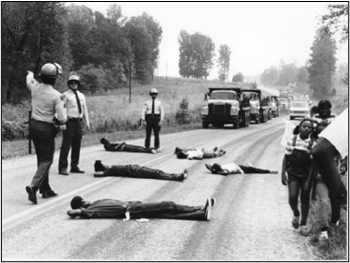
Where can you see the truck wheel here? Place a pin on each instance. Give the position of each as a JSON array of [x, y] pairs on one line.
[[205, 124]]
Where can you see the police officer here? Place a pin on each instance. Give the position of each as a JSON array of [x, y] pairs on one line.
[[46, 103], [75, 104], [153, 115]]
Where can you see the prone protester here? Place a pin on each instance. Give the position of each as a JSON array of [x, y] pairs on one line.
[[122, 146], [198, 153], [126, 210], [136, 171], [233, 168]]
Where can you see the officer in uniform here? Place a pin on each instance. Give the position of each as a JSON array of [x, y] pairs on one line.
[[75, 104], [46, 104], [153, 115]]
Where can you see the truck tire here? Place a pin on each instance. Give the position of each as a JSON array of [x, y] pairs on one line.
[[205, 124]]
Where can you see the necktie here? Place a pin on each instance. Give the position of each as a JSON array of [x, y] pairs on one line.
[[153, 107], [78, 101]]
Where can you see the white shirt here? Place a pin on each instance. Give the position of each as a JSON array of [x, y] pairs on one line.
[[232, 168], [337, 133], [158, 108], [195, 154], [46, 101], [72, 108]]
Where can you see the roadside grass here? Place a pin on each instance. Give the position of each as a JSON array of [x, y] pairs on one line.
[[336, 248]]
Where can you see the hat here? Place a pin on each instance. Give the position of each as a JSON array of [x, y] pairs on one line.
[[153, 91], [74, 77]]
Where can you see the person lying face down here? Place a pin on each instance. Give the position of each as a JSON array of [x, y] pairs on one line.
[[136, 171], [233, 168], [198, 153], [124, 147], [117, 209]]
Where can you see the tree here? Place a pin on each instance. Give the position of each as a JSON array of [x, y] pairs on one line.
[[322, 63], [287, 74], [238, 77], [269, 76], [337, 20], [224, 61], [196, 55]]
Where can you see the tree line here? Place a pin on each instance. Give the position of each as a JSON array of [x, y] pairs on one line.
[[105, 50]]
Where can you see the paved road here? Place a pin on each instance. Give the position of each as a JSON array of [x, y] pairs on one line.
[[251, 220]]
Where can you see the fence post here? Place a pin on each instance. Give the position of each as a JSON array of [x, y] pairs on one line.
[[29, 138]]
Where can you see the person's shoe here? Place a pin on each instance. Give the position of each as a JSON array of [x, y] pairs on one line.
[[154, 151], [49, 194], [99, 167], [222, 152], [215, 148], [104, 141], [295, 222], [207, 208], [212, 201], [76, 170], [304, 230], [63, 172], [208, 166], [336, 223], [31, 194], [185, 174], [323, 236]]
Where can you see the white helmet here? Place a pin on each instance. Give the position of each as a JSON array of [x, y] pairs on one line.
[[51, 70], [153, 91], [74, 77]]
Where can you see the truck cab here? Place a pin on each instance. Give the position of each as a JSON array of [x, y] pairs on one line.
[[225, 105], [259, 109]]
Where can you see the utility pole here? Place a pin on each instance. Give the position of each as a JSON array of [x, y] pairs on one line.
[[129, 80]]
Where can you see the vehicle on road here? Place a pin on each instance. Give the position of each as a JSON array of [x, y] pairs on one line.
[[274, 104], [284, 105], [299, 109], [259, 110], [225, 105]]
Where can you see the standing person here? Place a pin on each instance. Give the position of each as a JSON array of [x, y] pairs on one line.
[[116, 209], [333, 141], [136, 171], [296, 172], [75, 104], [46, 103], [153, 115]]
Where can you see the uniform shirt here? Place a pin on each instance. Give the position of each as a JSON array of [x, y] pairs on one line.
[[158, 108], [46, 101], [71, 105], [337, 133], [105, 208], [300, 144], [232, 168]]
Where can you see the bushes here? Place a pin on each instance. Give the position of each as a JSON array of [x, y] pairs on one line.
[[11, 130]]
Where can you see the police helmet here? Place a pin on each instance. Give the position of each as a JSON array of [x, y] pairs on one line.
[[153, 91], [73, 77], [51, 70]]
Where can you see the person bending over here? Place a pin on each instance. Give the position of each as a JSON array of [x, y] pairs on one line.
[[198, 153], [233, 168], [122, 146]]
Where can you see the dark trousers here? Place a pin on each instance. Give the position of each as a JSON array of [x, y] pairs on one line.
[[136, 171], [71, 138], [127, 148], [254, 170], [295, 186], [166, 209], [324, 154], [43, 136], [152, 123]]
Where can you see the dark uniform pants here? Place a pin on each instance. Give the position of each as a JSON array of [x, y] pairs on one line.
[[71, 138], [43, 136], [166, 209], [152, 123]]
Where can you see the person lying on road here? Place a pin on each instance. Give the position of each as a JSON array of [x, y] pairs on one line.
[[233, 168], [116, 209], [136, 171], [122, 146], [198, 153]]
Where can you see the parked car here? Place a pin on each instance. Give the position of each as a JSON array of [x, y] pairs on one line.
[[299, 109]]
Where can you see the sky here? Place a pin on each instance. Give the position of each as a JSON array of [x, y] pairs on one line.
[[259, 34]]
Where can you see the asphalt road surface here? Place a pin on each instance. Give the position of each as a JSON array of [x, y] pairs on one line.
[[250, 221]]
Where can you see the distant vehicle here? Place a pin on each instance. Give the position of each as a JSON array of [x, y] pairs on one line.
[[284, 93], [259, 110], [299, 109], [284, 104], [274, 106], [225, 105]]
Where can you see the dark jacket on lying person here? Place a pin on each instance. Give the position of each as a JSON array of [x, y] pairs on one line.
[[122, 146]]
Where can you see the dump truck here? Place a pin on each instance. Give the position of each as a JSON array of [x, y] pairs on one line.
[[225, 105], [259, 110]]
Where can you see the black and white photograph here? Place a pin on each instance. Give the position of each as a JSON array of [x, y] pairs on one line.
[[174, 131]]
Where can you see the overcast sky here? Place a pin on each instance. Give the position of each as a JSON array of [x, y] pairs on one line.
[[259, 34]]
